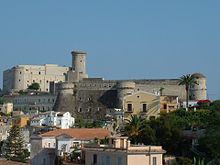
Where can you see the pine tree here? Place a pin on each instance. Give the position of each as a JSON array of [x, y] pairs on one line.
[[14, 146]]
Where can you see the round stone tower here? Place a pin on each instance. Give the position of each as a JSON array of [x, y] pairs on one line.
[[199, 90], [78, 71], [124, 88], [66, 98]]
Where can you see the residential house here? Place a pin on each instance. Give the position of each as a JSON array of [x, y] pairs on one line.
[[60, 142], [62, 120], [169, 103], [20, 121], [143, 103], [6, 108], [5, 125], [121, 152]]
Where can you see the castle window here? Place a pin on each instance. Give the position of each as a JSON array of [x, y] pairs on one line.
[[80, 110], [165, 106], [129, 107], [20, 72], [89, 99], [89, 109], [144, 107], [138, 96], [39, 72]]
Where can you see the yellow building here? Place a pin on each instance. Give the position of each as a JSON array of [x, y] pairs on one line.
[[168, 103], [143, 103], [20, 121]]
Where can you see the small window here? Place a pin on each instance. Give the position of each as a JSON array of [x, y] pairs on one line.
[[39, 72], [165, 106], [20, 72], [19, 80], [80, 110], [129, 107], [144, 106]]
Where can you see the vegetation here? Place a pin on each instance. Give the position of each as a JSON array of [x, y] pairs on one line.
[[13, 149], [169, 131], [34, 86], [187, 80]]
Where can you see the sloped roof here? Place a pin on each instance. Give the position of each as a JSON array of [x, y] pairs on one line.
[[79, 133]]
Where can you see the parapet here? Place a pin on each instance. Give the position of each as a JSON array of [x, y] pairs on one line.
[[126, 85]]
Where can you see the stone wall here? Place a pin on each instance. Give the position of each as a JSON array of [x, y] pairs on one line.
[[90, 98]]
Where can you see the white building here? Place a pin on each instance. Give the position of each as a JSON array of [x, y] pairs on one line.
[[21, 76], [62, 120]]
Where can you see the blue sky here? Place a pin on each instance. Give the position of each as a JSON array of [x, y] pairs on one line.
[[123, 38]]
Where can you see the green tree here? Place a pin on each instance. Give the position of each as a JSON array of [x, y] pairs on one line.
[[34, 86], [133, 128], [187, 80], [210, 143], [215, 105], [14, 146]]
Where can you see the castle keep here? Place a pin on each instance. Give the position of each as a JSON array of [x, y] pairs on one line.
[[92, 97]]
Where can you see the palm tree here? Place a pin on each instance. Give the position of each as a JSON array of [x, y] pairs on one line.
[[161, 91], [134, 127], [187, 80]]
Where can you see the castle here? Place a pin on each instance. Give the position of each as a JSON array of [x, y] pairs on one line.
[[90, 98]]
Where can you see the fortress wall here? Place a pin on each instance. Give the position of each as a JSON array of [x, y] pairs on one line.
[[173, 90], [91, 98], [93, 103]]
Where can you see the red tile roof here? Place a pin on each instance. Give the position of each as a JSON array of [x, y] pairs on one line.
[[80, 133]]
